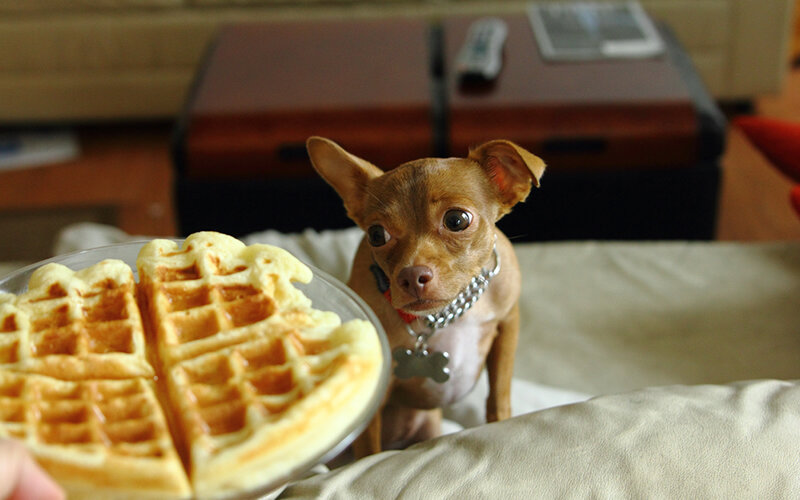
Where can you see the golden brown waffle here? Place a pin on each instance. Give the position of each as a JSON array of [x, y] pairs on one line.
[[258, 378], [202, 295], [76, 387], [75, 325], [212, 375], [99, 438]]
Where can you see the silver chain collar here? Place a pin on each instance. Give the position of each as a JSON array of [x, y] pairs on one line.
[[420, 362], [460, 305], [466, 299]]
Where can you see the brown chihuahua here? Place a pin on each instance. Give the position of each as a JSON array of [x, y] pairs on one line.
[[441, 277]]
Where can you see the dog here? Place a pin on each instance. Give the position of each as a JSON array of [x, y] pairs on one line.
[[441, 277]]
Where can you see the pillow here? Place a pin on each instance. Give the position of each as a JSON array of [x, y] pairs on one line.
[[710, 441]]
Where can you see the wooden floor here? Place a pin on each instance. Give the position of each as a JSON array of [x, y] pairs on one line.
[[754, 202]]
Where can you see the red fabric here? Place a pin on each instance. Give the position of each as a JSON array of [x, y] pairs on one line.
[[794, 197], [407, 318], [779, 142]]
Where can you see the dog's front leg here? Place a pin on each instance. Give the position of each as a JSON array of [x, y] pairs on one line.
[[500, 367], [369, 441]]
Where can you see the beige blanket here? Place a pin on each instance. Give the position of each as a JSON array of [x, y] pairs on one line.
[[691, 349]]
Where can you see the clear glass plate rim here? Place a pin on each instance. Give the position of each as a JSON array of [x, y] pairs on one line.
[[346, 437]]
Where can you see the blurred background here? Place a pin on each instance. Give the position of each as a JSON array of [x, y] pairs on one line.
[[99, 101]]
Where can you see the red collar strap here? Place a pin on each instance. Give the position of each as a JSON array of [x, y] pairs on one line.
[[382, 281], [456, 308]]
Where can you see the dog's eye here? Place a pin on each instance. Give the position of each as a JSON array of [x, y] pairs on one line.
[[378, 236], [457, 220]]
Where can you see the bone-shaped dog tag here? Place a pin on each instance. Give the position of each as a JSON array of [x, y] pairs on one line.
[[421, 363]]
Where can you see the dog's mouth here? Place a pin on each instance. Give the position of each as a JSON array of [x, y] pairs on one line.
[[424, 306]]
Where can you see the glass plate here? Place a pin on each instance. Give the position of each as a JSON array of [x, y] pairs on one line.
[[326, 293]]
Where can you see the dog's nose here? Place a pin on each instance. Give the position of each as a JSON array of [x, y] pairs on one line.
[[413, 279]]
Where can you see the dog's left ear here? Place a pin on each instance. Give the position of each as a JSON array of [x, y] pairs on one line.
[[511, 168]]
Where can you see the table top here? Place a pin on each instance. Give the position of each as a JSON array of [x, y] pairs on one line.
[[370, 84], [528, 79], [266, 87], [603, 113], [287, 67]]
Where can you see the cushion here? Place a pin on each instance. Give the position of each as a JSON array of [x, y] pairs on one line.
[[709, 441]]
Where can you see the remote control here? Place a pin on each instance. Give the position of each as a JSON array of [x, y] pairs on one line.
[[481, 56]]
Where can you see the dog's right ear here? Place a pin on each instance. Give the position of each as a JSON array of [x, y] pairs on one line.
[[346, 173]]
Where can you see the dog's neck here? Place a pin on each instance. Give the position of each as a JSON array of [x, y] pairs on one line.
[[419, 361]]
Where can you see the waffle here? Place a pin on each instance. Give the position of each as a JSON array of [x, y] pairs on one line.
[[76, 386], [75, 325], [258, 378], [98, 438], [213, 375]]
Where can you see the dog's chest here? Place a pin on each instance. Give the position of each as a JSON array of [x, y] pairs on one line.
[[466, 342]]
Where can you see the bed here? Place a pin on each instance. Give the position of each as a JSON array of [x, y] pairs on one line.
[[645, 369]]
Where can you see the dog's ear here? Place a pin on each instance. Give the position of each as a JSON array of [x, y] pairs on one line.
[[346, 173], [511, 169]]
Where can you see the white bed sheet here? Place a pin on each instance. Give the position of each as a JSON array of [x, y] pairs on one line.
[[689, 354], [603, 317]]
